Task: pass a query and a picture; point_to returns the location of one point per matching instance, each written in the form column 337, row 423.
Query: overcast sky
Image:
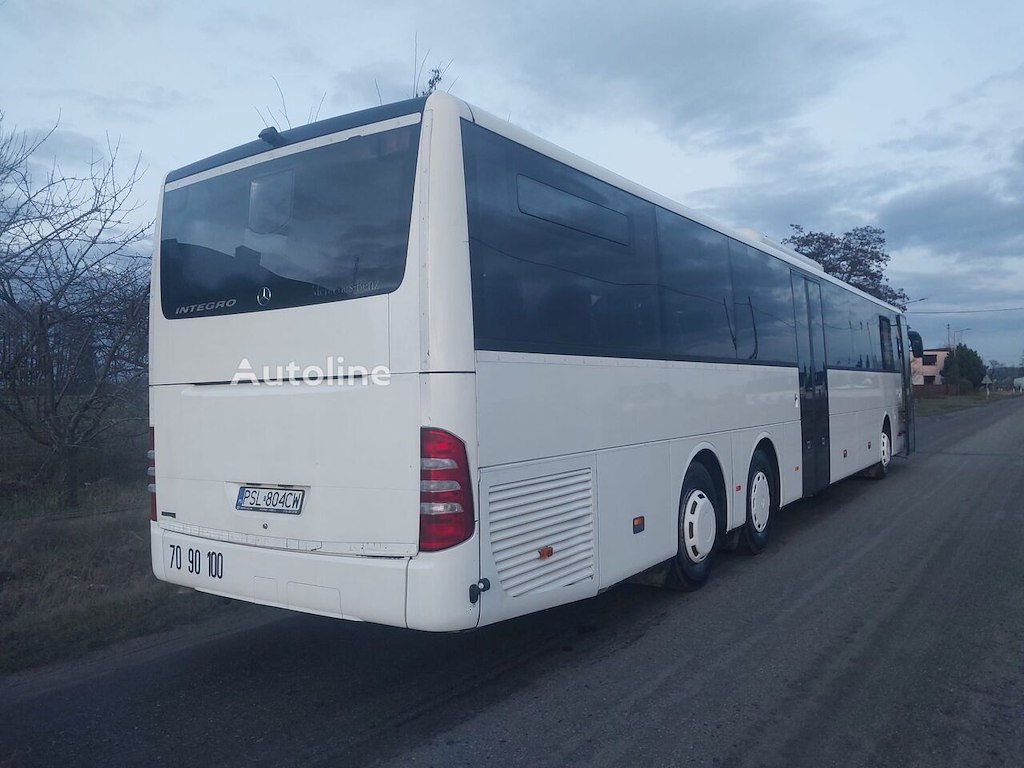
column 905, row 115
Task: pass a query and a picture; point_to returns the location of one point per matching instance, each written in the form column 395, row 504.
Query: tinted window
column 885, row 338
column 838, row 332
column 561, row 262
column 560, row 207
column 857, row 336
column 324, row 225
column 696, row 289
column 564, row 263
column 864, row 324
column 763, row 306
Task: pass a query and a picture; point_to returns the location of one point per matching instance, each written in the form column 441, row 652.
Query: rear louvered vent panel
column 526, row 516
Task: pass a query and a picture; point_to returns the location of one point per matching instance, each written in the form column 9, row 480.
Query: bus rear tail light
column 151, row 473
column 446, row 497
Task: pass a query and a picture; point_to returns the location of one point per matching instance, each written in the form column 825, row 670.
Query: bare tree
column 281, row 116
column 436, row 76
column 436, row 73
column 74, row 295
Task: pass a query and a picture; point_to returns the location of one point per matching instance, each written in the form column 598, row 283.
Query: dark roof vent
column 272, row 137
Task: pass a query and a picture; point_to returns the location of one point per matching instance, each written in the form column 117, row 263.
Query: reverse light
column 151, row 473
column 446, row 497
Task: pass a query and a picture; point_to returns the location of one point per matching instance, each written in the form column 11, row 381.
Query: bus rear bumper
column 355, row 588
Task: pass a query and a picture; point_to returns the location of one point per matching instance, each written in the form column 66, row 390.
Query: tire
column 699, row 529
column 762, row 504
column 731, row 540
column 880, row 470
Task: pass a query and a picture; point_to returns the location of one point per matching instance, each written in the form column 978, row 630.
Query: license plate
column 195, row 561
column 255, row 498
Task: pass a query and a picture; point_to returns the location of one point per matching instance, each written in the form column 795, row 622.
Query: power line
column 961, row 311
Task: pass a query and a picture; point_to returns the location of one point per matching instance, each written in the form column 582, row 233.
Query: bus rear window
column 327, row 224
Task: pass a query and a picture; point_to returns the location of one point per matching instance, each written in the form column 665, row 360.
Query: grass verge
column 69, row 585
column 934, row 406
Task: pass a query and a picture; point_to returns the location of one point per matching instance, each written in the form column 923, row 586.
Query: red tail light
column 446, row 497
column 151, row 472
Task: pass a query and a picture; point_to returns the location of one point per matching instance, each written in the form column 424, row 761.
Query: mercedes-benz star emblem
column 263, row 297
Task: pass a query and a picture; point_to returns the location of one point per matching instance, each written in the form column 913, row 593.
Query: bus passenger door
column 814, row 432
column 906, row 417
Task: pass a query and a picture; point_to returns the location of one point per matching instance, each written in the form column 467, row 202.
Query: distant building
column 1018, row 384
column 928, row 369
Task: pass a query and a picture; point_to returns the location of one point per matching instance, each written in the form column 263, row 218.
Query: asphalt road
column 883, row 626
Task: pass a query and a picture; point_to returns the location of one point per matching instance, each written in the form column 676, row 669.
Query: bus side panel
column 636, row 481
column 539, row 533
column 637, row 424
column 441, row 350
column 354, row 588
column 431, row 327
column 859, row 401
column 534, row 406
column 647, row 481
column 439, row 582
column 791, row 464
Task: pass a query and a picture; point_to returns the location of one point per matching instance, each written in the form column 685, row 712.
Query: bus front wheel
column 762, row 504
column 881, row 469
column 699, row 516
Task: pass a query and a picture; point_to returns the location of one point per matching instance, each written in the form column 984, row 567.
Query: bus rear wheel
column 699, row 516
column 762, row 504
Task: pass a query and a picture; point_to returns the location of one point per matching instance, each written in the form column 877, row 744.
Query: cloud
column 928, row 141
column 956, row 287
column 966, row 218
column 137, row 102
column 993, row 335
column 997, row 91
column 132, row 103
column 790, row 191
column 63, row 143
column 62, row 151
column 371, row 83
column 722, row 72
column 60, row 17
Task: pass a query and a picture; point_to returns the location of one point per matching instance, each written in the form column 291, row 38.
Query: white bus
column 419, row 367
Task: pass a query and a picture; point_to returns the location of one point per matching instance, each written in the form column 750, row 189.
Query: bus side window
column 502, row 307
column 885, row 335
column 626, row 319
column 565, row 316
